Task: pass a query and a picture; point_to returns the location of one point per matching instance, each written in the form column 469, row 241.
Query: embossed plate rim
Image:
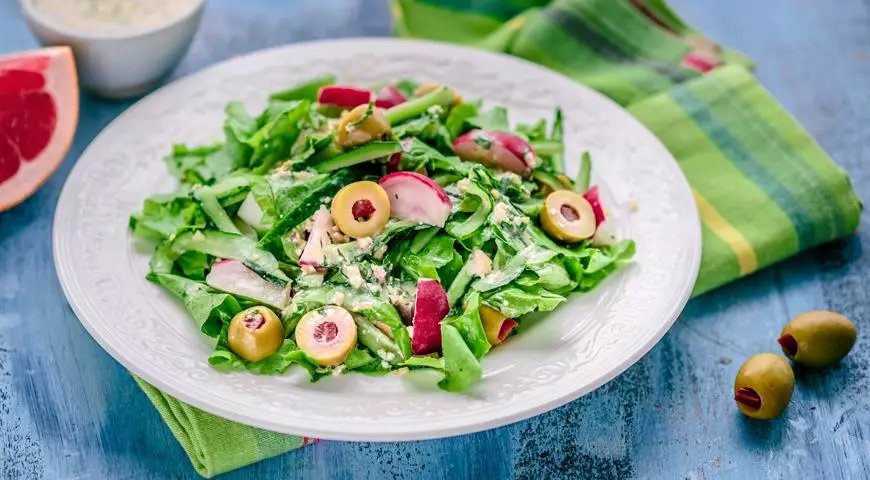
column 408, row 415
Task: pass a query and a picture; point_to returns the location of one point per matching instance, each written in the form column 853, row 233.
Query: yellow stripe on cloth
column 746, row 259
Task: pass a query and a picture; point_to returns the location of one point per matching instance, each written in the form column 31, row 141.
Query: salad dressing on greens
column 348, row 229
column 112, row 15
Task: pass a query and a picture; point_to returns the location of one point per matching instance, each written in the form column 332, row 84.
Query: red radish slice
column 232, row 276
column 343, row 96
column 506, row 328
column 315, row 248
column 417, row 198
column 430, row 308
column 496, row 149
column 700, row 61
column 389, row 97
column 517, row 147
column 594, row 200
column 393, row 163
column 39, row 108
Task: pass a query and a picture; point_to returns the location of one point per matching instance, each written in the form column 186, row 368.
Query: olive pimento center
column 363, row 209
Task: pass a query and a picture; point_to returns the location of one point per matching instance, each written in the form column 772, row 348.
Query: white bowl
column 120, row 64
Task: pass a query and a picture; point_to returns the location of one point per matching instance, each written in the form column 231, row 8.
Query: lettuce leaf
column 470, row 326
column 362, row 361
column 164, row 215
column 238, row 128
column 437, row 253
column 272, row 142
column 513, row 302
column 199, row 165
column 223, row 359
column 429, row 129
column 598, row 263
column 210, row 309
column 461, row 367
column 493, row 119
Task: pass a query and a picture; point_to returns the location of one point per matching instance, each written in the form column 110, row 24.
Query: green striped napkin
column 216, row 445
column 764, row 188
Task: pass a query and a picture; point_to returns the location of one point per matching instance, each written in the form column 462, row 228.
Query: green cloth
column 764, row 188
column 216, row 445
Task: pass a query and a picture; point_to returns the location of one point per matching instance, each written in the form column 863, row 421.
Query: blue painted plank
column 67, row 410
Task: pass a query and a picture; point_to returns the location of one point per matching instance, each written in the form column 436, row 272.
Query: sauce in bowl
column 112, row 16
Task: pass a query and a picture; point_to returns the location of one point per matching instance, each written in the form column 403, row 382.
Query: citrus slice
column 39, row 109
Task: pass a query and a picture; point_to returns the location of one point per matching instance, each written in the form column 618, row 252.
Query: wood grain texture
column 67, row 410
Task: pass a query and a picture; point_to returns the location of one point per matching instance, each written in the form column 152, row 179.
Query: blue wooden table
column 68, row 410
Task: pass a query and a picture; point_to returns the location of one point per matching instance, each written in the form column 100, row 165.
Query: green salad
column 394, row 228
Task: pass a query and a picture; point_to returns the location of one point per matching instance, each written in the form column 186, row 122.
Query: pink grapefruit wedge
column 39, row 109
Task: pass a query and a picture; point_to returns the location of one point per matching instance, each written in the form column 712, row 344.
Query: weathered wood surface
column 67, row 410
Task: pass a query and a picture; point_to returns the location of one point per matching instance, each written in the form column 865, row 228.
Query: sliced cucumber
column 442, row 96
column 548, row 179
column 366, row 153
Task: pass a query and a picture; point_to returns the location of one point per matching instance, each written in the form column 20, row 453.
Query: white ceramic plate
column 571, row 352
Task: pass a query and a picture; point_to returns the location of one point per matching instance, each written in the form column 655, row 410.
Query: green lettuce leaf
column 362, row 361
column 514, row 302
column 429, row 129
column 437, row 253
column 210, row 309
column 493, row 119
column 199, row 165
column 598, row 263
column 461, row 367
column 164, row 215
column 223, row 359
column 457, row 122
column 407, row 87
column 239, row 126
column 472, row 211
column 470, row 326
column 273, row 141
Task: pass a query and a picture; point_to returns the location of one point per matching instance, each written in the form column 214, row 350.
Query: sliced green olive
column 764, row 385
column 327, row 335
column 255, row 333
column 818, row 338
column 361, row 209
column 567, row 216
column 355, row 129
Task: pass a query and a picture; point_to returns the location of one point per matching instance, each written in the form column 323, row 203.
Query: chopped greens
column 361, row 272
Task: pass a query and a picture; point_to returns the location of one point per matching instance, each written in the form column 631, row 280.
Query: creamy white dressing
column 113, row 15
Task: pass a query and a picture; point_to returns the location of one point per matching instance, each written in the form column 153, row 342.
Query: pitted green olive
column 763, row 386
column 818, row 338
column 255, row 333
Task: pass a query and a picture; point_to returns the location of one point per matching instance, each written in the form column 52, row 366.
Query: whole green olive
column 818, row 338
column 255, row 333
column 764, row 385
